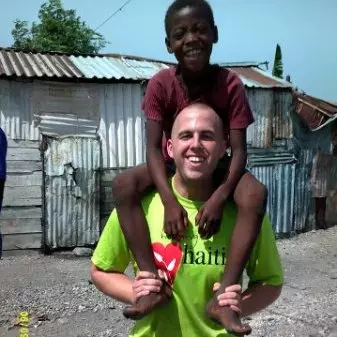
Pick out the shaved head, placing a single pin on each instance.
(199, 112)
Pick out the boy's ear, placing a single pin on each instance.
(168, 45)
(216, 34)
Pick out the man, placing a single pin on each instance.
(193, 266)
(3, 153)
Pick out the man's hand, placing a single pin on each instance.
(145, 283)
(175, 220)
(231, 297)
(209, 216)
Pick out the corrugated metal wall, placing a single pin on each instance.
(71, 202)
(16, 110)
(271, 109)
(303, 203)
(279, 178)
(122, 125)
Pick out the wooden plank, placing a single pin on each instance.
(29, 144)
(23, 154)
(20, 226)
(9, 213)
(21, 241)
(23, 180)
(19, 166)
(22, 196)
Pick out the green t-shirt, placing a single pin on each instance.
(192, 268)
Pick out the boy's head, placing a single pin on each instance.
(190, 33)
(197, 143)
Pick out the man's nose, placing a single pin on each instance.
(196, 142)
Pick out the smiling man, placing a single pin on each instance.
(194, 265)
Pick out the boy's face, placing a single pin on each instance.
(191, 38)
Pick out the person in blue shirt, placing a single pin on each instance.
(3, 153)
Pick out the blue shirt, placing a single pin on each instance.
(3, 153)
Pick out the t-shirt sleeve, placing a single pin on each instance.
(111, 253)
(264, 265)
(3, 153)
(240, 114)
(153, 103)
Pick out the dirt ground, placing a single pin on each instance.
(61, 302)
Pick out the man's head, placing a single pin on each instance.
(197, 143)
(190, 33)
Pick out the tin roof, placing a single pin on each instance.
(53, 65)
(63, 66)
(315, 112)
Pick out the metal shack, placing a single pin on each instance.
(70, 121)
(74, 121)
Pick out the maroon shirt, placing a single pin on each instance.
(166, 96)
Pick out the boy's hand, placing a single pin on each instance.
(230, 297)
(175, 220)
(209, 217)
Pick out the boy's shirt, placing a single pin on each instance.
(191, 267)
(166, 96)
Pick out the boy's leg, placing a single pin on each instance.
(250, 197)
(128, 188)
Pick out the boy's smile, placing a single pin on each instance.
(191, 39)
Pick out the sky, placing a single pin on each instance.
(248, 31)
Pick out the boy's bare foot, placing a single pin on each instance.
(147, 304)
(227, 317)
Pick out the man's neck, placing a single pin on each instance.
(196, 191)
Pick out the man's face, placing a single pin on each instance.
(197, 143)
(191, 38)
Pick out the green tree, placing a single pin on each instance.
(59, 30)
(278, 64)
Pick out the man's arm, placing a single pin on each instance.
(259, 297)
(114, 284)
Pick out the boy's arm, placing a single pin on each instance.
(237, 164)
(155, 160)
(258, 297)
(175, 219)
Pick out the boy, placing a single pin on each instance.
(191, 33)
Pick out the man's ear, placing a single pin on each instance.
(169, 147)
(215, 34)
(223, 148)
(168, 45)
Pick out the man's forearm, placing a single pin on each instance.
(156, 165)
(115, 285)
(235, 171)
(258, 297)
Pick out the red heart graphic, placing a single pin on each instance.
(167, 259)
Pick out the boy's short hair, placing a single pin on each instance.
(177, 5)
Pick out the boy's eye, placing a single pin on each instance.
(178, 34)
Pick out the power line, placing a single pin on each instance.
(113, 14)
